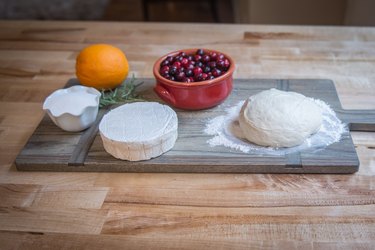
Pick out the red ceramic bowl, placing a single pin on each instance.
(195, 95)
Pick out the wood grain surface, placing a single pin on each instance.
(183, 211)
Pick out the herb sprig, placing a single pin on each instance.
(122, 94)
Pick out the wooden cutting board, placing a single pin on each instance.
(51, 149)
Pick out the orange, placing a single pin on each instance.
(101, 66)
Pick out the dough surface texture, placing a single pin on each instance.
(279, 119)
(139, 131)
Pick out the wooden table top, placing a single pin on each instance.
(103, 210)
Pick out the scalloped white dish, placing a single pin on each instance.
(73, 109)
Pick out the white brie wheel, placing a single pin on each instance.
(139, 131)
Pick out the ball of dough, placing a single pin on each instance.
(279, 119)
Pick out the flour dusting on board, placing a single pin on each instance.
(226, 132)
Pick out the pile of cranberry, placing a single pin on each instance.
(197, 67)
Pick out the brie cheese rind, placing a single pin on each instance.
(139, 131)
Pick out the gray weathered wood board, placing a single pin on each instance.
(51, 149)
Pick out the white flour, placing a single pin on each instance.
(227, 132)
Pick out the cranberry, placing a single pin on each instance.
(204, 76)
(212, 64)
(189, 72)
(199, 64)
(206, 58)
(184, 62)
(197, 58)
(213, 55)
(191, 79)
(220, 57)
(164, 68)
(206, 69)
(165, 62)
(226, 63)
(180, 76)
(220, 64)
(197, 71)
(211, 77)
(198, 77)
(192, 62)
(164, 71)
(187, 79)
(180, 70)
(169, 58)
(178, 64)
(182, 54)
(190, 57)
(216, 72)
(189, 66)
(200, 52)
(173, 70)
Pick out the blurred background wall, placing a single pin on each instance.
(313, 12)
(310, 12)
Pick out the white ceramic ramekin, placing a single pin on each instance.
(73, 109)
